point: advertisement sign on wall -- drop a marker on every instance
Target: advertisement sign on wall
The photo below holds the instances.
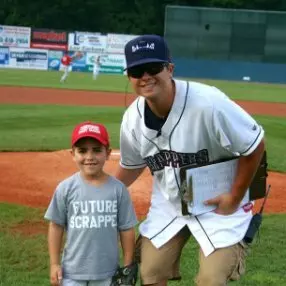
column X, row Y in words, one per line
column 28, row 58
column 87, row 42
column 11, row 36
column 117, row 42
column 79, row 64
column 54, row 60
column 49, row 39
column 109, row 63
column 4, row 57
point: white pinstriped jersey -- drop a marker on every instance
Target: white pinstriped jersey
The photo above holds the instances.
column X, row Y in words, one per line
column 203, row 125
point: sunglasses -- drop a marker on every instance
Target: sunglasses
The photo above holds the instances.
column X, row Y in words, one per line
column 150, row 68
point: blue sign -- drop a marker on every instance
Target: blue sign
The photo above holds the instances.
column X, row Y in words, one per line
column 4, row 56
column 79, row 64
column 28, row 56
column 54, row 64
column 54, row 60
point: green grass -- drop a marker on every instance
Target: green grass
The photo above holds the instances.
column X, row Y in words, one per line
column 118, row 83
column 51, row 79
column 275, row 134
column 48, row 128
column 24, row 259
column 265, row 266
column 250, row 91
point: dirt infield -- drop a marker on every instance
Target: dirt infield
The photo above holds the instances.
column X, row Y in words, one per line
column 25, row 95
column 30, row 178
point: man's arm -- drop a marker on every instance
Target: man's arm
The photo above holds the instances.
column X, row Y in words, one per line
column 247, row 167
column 228, row 203
column 128, row 176
column 76, row 55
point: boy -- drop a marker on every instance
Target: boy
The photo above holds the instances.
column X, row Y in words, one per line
column 92, row 207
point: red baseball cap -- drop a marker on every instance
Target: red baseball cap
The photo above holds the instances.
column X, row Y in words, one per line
column 90, row 129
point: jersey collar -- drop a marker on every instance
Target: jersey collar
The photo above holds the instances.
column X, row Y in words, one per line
column 174, row 115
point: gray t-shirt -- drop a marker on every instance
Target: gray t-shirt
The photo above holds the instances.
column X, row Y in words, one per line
column 92, row 217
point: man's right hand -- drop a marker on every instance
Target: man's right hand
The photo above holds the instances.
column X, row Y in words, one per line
column 226, row 204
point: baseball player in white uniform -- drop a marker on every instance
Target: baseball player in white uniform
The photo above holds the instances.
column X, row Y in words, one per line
column 171, row 124
column 96, row 67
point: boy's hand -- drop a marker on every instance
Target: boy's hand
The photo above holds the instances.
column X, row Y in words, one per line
column 125, row 276
column 56, row 275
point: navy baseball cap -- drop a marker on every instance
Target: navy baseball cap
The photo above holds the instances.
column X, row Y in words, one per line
column 146, row 49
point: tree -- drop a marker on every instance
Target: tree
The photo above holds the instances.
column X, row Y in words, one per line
column 124, row 16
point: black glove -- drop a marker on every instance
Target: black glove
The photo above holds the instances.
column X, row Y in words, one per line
column 125, row 276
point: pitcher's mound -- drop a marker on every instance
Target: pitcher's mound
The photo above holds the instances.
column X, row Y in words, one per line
column 30, row 178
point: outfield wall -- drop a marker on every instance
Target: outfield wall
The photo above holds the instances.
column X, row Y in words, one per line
column 42, row 49
column 228, row 44
column 226, row 70
column 32, row 48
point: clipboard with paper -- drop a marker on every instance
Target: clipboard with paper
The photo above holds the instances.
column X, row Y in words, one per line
column 201, row 183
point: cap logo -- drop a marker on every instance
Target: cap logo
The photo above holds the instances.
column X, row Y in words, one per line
column 89, row 128
column 148, row 46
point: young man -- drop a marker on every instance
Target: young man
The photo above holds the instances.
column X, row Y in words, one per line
column 93, row 208
column 67, row 64
column 171, row 124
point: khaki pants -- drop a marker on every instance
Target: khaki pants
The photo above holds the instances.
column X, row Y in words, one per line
column 162, row 264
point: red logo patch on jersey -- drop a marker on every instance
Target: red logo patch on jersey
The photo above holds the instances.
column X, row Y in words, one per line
column 247, row 207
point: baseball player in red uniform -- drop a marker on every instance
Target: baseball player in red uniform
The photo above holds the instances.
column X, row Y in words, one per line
column 174, row 123
column 67, row 64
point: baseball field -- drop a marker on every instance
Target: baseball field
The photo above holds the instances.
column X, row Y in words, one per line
column 37, row 115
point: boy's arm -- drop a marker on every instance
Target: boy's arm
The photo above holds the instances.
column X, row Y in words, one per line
column 127, row 239
column 55, row 236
